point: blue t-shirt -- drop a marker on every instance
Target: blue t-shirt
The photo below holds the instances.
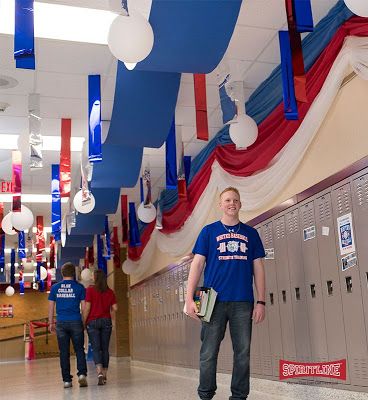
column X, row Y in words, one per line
column 67, row 294
column 229, row 259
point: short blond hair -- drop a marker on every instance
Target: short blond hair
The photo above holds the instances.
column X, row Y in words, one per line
column 230, row 189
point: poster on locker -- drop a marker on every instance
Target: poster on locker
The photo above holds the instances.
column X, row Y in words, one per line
column 348, row 261
column 309, row 233
column 345, row 233
column 270, row 254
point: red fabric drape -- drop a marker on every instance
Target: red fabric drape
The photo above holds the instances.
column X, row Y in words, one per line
column 65, row 158
column 201, row 106
column 274, row 133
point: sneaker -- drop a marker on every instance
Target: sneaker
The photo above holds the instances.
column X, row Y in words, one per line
column 101, row 379
column 68, row 385
column 82, row 379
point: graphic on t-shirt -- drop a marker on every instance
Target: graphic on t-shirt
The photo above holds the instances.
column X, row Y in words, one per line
column 232, row 246
column 65, row 291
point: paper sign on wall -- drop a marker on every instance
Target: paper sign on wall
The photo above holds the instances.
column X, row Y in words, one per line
column 325, row 230
column 270, row 254
column 345, row 233
column 181, row 293
column 348, row 261
column 309, row 233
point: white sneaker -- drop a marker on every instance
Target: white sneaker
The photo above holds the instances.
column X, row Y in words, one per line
column 82, row 379
column 68, row 385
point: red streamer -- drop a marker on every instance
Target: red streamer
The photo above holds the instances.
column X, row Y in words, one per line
column 40, row 244
column 182, row 188
column 52, row 251
column 201, row 106
column 296, row 54
column 91, row 256
column 65, row 156
column 1, row 217
column 86, row 258
column 17, row 180
column 124, row 217
column 117, row 261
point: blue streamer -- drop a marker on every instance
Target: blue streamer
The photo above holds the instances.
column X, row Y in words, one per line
column 21, row 245
column 2, row 257
column 94, row 118
column 171, row 169
column 134, row 237
column 38, row 271
column 24, row 35
column 12, row 267
column 21, row 287
column 290, row 106
column 108, row 239
column 303, row 15
column 101, row 261
column 56, row 202
column 187, row 166
column 141, row 189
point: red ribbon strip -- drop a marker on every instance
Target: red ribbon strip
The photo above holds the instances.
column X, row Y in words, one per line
column 182, row 188
column 296, row 54
column 40, row 238
column 86, row 258
column 124, row 217
column 117, row 261
column 91, row 255
column 65, row 156
column 52, row 252
column 17, row 180
column 201, row 106
column 1, row 217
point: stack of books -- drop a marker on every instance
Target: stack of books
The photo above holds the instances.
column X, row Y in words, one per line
column 205, row 299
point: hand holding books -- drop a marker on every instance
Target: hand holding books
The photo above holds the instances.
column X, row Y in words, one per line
column 202, row 305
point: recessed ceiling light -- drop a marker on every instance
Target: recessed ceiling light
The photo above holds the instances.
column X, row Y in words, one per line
column 7, row 82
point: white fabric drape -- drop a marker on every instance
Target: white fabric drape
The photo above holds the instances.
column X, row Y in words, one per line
column 261, row 188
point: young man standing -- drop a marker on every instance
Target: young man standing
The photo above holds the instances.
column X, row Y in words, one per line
column 232, row 252
column 68, row 295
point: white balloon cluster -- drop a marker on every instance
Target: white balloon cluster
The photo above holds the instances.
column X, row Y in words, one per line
column 19, row 220
column 147, row 213
column 358, row 7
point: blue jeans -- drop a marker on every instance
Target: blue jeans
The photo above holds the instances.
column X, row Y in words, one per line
column 239, row 315
column 74, row 331
column 99, row 333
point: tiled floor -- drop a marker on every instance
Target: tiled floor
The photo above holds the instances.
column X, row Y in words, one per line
column 40, row 380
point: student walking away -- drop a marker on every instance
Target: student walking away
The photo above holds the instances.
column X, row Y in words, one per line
column 230, row 253
column 68, row 296
column 100, row 301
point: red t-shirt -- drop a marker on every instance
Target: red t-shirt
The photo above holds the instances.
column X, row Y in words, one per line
column 101, row 303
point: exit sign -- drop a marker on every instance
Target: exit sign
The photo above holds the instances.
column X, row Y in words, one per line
column 6, row 187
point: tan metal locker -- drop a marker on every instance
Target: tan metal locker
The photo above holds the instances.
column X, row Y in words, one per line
column 270, row 363
column 351, row 294
column 284, row 290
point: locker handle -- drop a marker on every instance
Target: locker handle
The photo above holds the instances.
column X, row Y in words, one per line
column 329, row 288
column 284, row 296
column 271, row 299
column 313, row 290
column 297, row 293
column 349, row 284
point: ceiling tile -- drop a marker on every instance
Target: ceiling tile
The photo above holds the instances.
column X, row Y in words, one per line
column 257, row 73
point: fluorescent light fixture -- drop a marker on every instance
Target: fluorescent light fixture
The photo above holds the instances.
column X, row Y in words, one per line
column 50, row 143
column 56, row 21
column 30, row 198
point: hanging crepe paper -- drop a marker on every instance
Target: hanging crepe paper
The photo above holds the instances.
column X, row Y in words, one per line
column 124, row 218
column 159, row 213
column 147, row 180
column 303, row 15
column 65, row 157
column 29, row 246
column 296, row 54
column 49, row 278
column 101, row 261
column 94, row 118
column 86, row 194
column 41, row 284
column 187, row 166
column 21, row 282
column 2, row 253
column 17, row 180
column 107, row 247
column 134, row 238
column 201, row 106
column 182, row 187
column 91, row 255
column 1, row 217
column 86, row 260
column 21, row 245
column 290, row 106
column 40, row 242
column 52, row 252
column 34, row 127
column 24, row 34
column 12, row 267
column 117, row 261
column 56, row 203
column 171, row 170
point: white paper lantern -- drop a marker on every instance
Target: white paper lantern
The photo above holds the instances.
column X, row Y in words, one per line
column 130, row 37
column 129, row 266
column 7, row 224
column 146, row 214
column 43, row 273
column 358, row 7
column 83, row 208
column 9, row 291
column 86, row 275
column 243, row 132
column 22, row 220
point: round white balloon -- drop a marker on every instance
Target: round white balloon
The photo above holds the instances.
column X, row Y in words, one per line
column 43, row 273
column 358, row 7
column 86, row 275
column 244, row 131
column 130, row 37
column 146, row 214
column 22, row 220
column 9, row 291
column 83, row 208
column 7, row 224
column 129, row 266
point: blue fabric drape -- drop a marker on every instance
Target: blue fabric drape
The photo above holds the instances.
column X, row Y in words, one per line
column 171, row 169
column 303, row 15
column 24, row 34
column 56, row 202
column 94, row 118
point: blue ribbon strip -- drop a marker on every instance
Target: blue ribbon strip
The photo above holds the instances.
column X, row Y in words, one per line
column 12, row 267
column 171, row 169
column 101, row 261
column 141, row 190
column 24, row 34
column 290, row 105
column 303, row 15
column 94, row 118
column 134, row 237
column 107, row 255
column 56, row 202
column 187, row 165
column 21, row 245
column 2, row 257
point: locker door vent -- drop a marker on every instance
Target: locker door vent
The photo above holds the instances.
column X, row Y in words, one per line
column 361, row 188
column 324, row 209
column 307, row 215
column 343, row 200
column 280, row 228
column 292, row 222
column 360, row 368
column 268, row 235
